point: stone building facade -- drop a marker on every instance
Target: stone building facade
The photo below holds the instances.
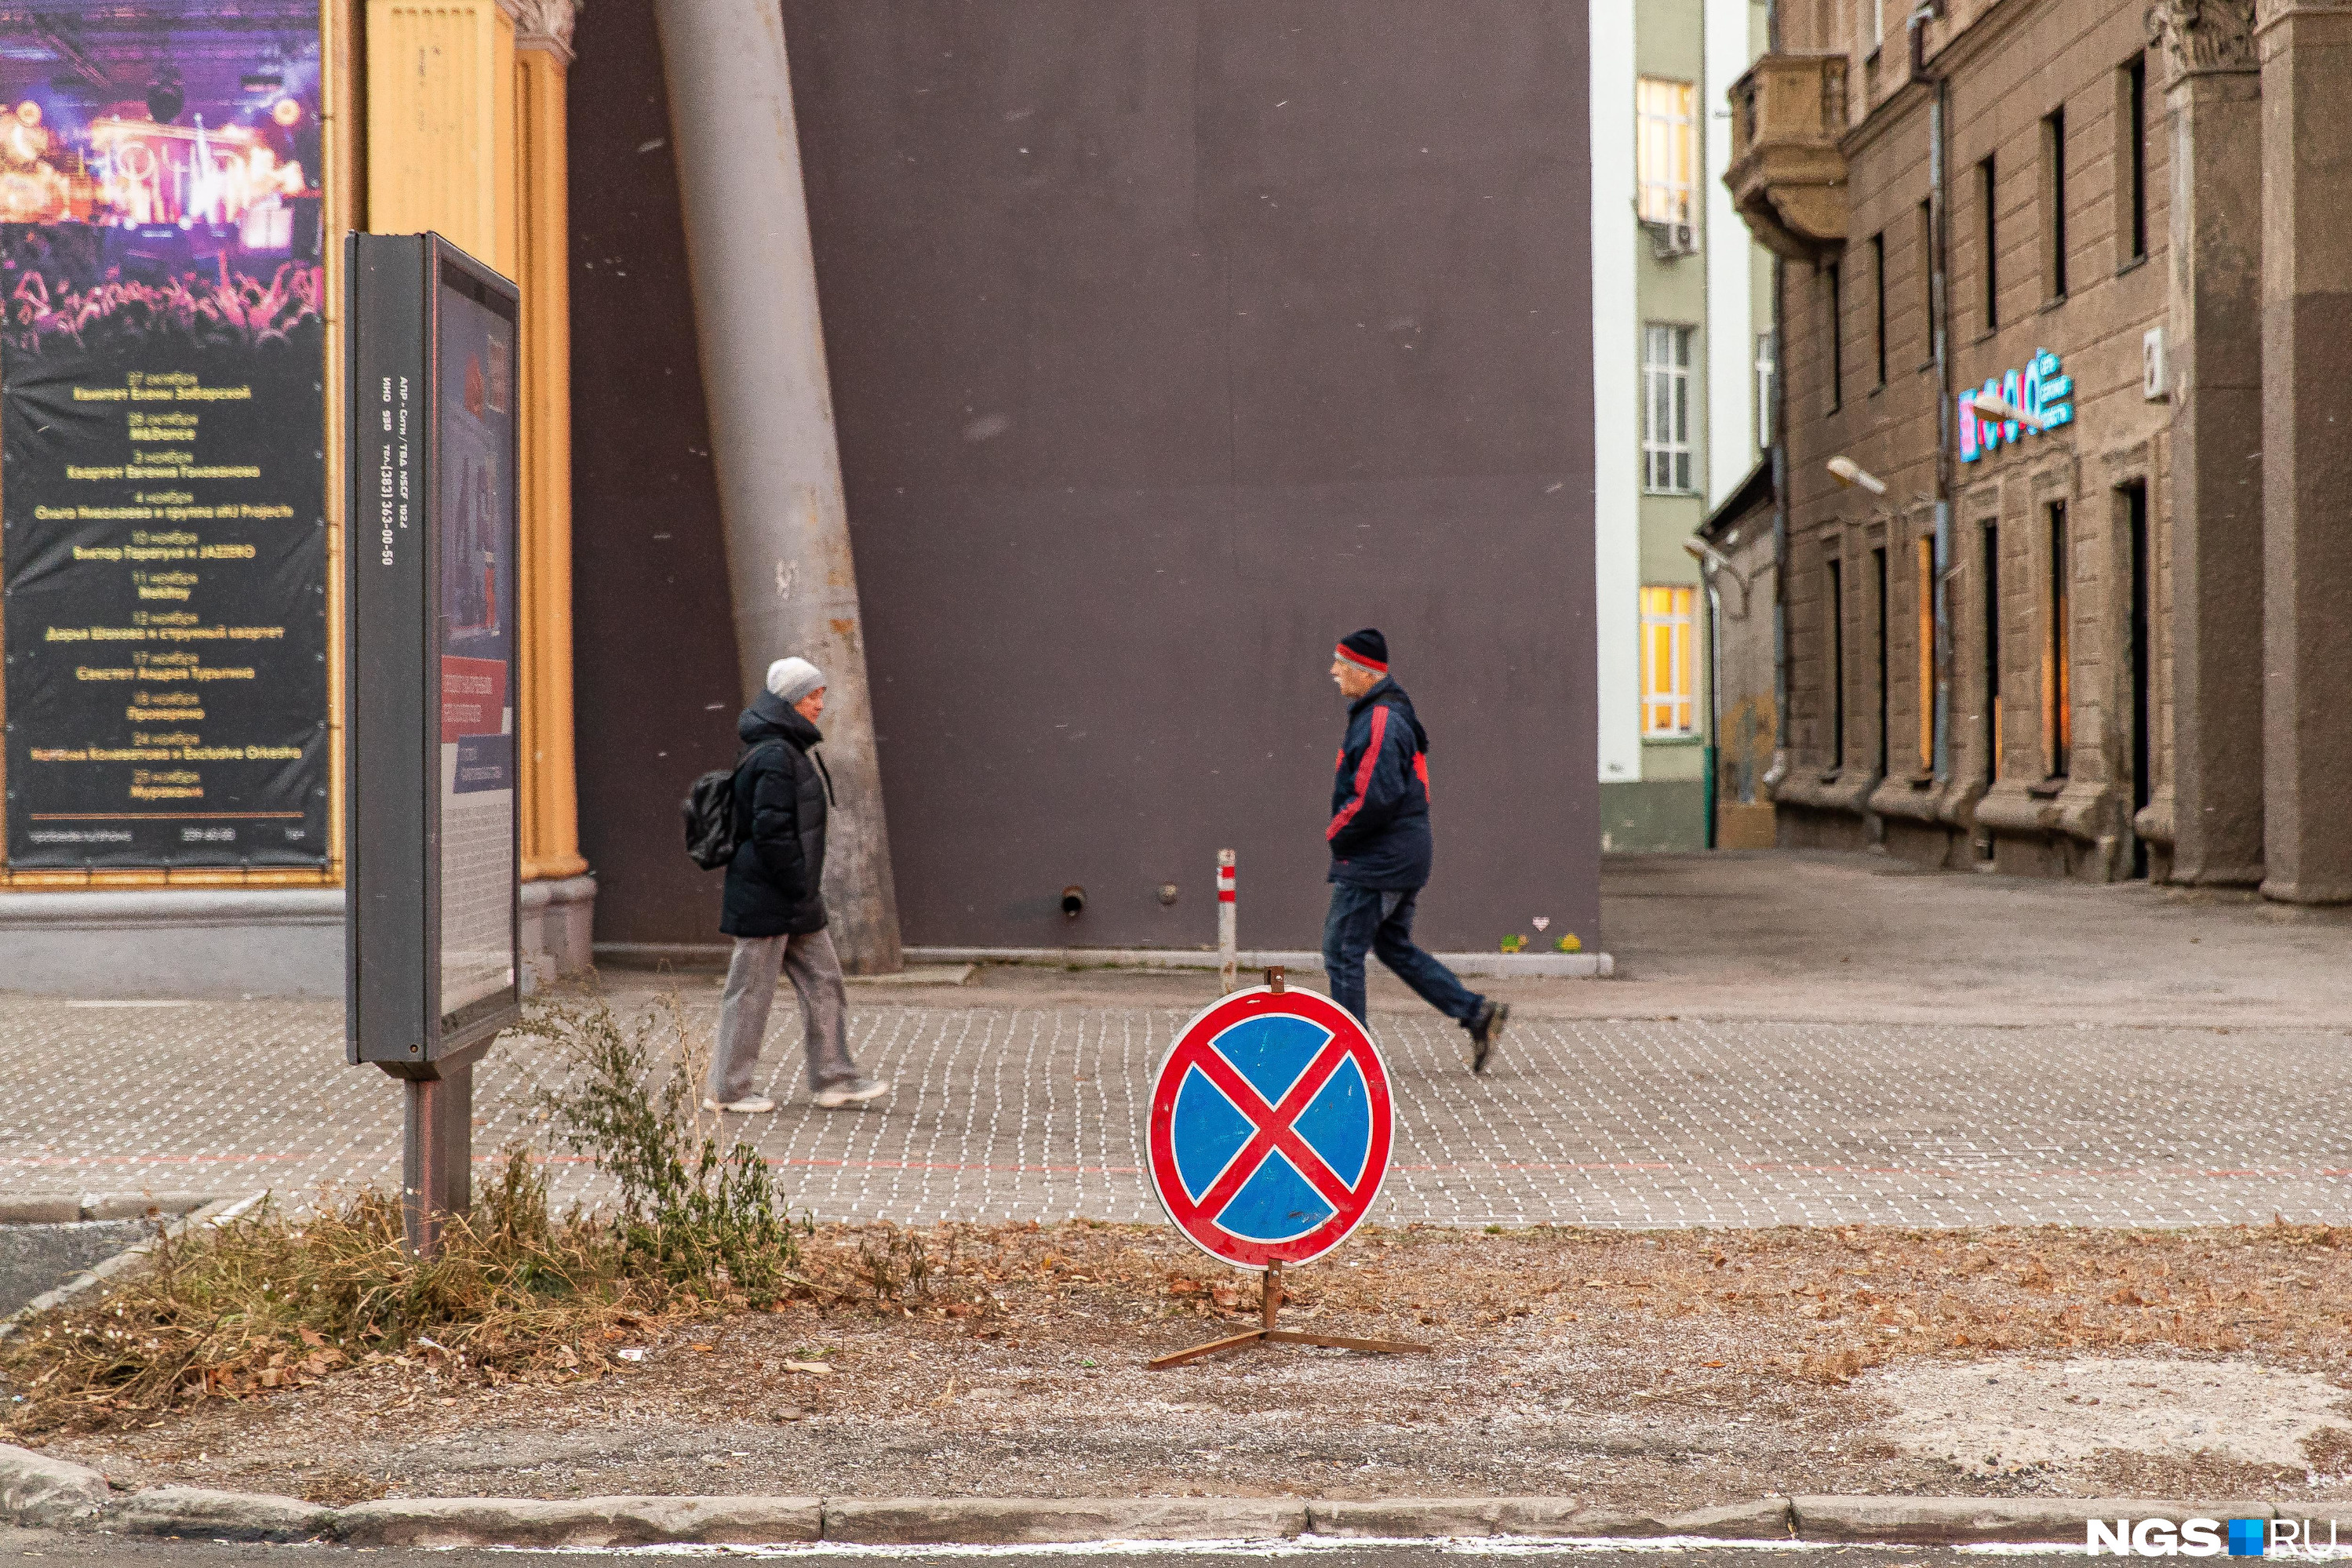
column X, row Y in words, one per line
column 1680, row 291
column 2098, row 627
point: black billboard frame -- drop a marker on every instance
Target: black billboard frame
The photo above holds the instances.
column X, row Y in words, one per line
column 392, row 712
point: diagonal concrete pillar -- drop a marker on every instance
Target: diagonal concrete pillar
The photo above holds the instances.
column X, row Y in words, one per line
column 770, row 407
column 2214, row 95
column 2306, row 46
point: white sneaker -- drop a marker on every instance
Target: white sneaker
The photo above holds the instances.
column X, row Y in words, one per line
column 857, row 1092
column 749, row 1106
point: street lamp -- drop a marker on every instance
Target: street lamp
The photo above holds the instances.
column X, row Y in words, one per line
column 1991, row 406
column 1853, row 474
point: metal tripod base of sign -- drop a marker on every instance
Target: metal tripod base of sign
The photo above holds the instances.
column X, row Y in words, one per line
column 1266, row 1334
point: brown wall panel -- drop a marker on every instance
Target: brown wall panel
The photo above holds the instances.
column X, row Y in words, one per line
column 1169, row 341
column 653, row 644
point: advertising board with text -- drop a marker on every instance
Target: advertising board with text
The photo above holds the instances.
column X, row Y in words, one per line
column 433, row 845
column 163, row 534
column 474, row 455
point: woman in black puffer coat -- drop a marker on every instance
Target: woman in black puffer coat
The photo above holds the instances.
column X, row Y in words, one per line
column 774, row 904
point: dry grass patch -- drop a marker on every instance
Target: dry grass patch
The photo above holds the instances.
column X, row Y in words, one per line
column 275, row 1299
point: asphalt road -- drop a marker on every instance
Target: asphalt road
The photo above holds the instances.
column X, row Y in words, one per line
column 38, row 1258
column 26, row 1545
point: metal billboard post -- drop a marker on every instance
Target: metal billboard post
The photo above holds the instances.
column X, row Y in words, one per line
column 433, row 850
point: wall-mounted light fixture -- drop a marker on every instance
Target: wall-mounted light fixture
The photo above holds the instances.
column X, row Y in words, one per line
column 1854, row 476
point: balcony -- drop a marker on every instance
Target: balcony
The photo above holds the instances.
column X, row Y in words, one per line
column 1787, row 174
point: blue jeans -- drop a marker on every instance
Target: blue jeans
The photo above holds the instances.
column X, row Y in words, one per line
column 1371, row 919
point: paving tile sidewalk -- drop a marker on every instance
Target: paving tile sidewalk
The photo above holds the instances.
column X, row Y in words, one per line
column 1016, row 1111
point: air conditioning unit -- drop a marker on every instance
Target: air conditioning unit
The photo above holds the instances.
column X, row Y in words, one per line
column 1671, row 242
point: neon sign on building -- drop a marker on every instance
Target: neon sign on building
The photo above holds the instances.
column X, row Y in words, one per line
column 2041, row 389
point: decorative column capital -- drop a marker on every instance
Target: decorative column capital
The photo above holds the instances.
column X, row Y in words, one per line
column 2201, row 38
column 543, row 25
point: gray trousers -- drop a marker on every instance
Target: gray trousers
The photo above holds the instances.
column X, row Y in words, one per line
column 815, row 973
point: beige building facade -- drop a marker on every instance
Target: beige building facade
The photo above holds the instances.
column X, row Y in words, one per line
column 2067, row 413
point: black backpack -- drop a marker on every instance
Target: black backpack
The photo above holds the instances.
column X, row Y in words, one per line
column 709, row 812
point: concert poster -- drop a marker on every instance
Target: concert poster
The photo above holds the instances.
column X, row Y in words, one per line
column 162, row 460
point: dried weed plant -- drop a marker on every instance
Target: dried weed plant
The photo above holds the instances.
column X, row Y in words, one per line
column 696, row 1219
column 277, row 1299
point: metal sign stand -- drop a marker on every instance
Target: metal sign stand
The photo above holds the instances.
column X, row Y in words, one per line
column 1266, row 1333
column 1270, row 1299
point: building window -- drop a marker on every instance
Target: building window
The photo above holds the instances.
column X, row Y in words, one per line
column 1885, row 702
column 2053, row 204
column 1767, row 387
column 1878, row 304
column 1927, row 275
column 1836, row 610
column 1666, row 408
column 1923, row 621
column 1992, row 727
column 1833, row 302
column 2131, row 158
column 1668, row 142
column 1988, row 194
column 2057, row 694
column 1667, row 701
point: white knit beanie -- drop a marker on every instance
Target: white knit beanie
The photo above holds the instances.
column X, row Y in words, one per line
column 792, row 679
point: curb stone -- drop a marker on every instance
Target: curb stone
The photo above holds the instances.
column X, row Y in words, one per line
column 1766, row 1518
column 140, row 1205
column 997, row 1521
column 1417, row 1516
column 1410, row 1518
column 580, row 1522
column 23, row 1210
column 1938, row 1520
column 218, row 1515
column 37, row 1489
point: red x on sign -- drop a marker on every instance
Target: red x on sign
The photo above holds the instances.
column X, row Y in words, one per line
column 1270, row 1129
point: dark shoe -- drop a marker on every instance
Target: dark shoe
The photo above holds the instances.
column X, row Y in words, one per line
column 1485, row 1027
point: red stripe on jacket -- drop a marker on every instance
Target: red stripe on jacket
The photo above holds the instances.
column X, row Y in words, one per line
column 1363, row 772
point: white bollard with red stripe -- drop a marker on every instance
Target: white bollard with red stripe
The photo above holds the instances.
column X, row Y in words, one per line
column 1228, row 958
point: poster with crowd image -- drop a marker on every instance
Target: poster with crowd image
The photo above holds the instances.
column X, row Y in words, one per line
column 162, row 463
column 475, row 363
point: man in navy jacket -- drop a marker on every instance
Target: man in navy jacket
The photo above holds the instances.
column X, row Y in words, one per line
column 1380, row 848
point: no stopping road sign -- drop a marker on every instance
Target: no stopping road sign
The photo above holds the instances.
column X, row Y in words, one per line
column 1271, row 1127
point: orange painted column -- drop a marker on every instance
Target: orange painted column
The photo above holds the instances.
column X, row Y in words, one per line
column 550, row 849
